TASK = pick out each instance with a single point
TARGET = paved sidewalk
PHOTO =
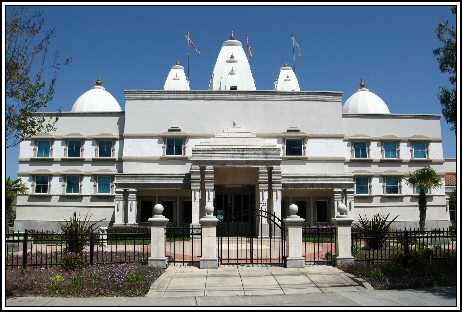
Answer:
(442, 297)
(189, 281)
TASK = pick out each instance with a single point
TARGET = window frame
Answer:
(427, 148)
(368, 185)
(397, 150)
(66, 177)
(303, 147)
(80, 149)
(37, 145)
(111, 180)
(36, 184)
(353, 150)
(98, 155)
(183, 146)
(385, 185)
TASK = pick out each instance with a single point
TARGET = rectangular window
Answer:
(390, 150)
(73, 184)
(362, 185)
(41, 184)
(104, 184)
(392, 185)
(174, 146)
(43, 149)
(73, 148)
(417, 190)
(420, 150)
(360, 149)
(105, 149)
(294, 147)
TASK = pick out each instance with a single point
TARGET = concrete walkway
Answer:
(186, 281)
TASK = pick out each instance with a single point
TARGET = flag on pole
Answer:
(295, 46)
(191, 43)
(249, 47)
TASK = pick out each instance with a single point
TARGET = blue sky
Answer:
(133, 47)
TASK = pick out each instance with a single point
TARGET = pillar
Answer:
(262, 188)
(209, 184)
(276, 182)
(158, 223)
(343, 248)
(132, 204)
(119, 207)
(195, 194)
(209, 259)
(294, 242)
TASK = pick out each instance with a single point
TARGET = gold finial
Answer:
(98, 82)
(231, 36)
(362, 84)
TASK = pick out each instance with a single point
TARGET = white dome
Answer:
(287, 81)
(97, 99)
(232, 61)
(176, 79)
(364, 101)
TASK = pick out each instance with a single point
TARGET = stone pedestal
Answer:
(343, 250)
(158, 223)
(209, 259)
(294, 243)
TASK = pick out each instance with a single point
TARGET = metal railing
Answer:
(183, 243)
(437, 244)
(319, 243)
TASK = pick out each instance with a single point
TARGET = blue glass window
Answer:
(105, 148)
(362, 185)
(73, 184)
(360, 149)
(392, 185)
(104, 184)
(420, 150)
(43, 149)
(294, 147)
(174, 146)
(390, 149)
(41, 184)
(73, 148)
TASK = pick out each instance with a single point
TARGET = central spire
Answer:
(232, 69)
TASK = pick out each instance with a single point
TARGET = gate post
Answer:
(158, 223)
(343, 223)
(293, 224)
(209, 259)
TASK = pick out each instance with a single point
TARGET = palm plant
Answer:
(13, 187)
(423, 179)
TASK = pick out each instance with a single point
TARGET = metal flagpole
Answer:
(188, 68)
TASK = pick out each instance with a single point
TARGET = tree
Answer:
(423, 180)
(30, 77)
(446, 56)
(12, 189)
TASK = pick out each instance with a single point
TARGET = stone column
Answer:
(262, 188)
(343, 250)
(350, 198)
(119, 207)
(195, 194)
(132, 206)
(209, 259)
(158, 223)
(209, 184)
(103, 236)
(294, 242)
(276, 182)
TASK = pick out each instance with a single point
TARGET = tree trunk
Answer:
(422, 209)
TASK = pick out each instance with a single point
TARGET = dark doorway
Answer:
(146, 210)
(321, 211)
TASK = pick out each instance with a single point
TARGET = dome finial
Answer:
(231, 36)
(362, 84)
(177, 62)
(98, 82)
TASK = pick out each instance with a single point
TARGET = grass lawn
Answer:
(90, 281)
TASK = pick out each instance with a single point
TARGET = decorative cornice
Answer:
(60, 136)
(262, 95)
(86, 114)
(394, 116)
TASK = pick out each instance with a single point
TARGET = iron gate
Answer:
(262, 240)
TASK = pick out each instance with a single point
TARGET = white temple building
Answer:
(232, 145)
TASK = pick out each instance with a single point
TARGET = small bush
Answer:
(374, 230)
(72, 261)
(76, 233)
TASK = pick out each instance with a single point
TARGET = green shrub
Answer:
(72, 261)
(374, 230)
(76, 233)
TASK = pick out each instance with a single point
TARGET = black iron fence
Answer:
(183, 244)
(319, 243)
(437, 244)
